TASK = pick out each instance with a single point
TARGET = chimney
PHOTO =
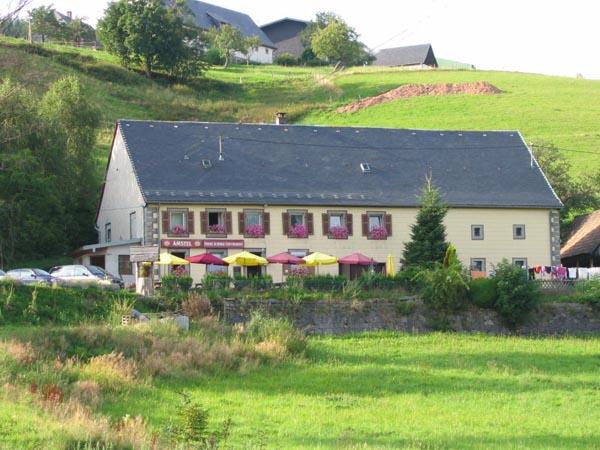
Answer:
(70, 14)
(280, 118)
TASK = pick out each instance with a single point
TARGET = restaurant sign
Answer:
(143, 254)
(197, 243)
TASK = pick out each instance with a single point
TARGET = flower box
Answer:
(298, 231)
(178, 230)
(378, 234)
(216, 229)
(254, 231)
(338, 233)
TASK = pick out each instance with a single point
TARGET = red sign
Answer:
(213, 243)
(207, 243)
(180, 243)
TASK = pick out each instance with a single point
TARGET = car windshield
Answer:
(97, 271)
(41, 272)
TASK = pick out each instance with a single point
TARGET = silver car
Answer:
(31, 276)
(79, 275)
(3, 276)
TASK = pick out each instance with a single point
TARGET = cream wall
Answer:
(498, 240)
(121, 196)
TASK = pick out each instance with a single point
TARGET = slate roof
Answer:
(208, 16)
(585, 237)
(406, 56)
(308, 165)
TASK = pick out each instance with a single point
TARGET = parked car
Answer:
(3, 276)
(31, 276)
(86, 275)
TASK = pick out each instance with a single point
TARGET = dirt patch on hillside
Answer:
(417, 90)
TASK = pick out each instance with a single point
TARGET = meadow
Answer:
(377, 390)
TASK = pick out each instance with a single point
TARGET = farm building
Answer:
(192, 187)
(582, 248)
(208, 16)
(286, 35)
(413, 56)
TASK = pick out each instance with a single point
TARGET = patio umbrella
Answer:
(166, 259)
(207, 259)
(285, 258)
(389, 266)
(357, 259)
(246, 259)
(318, 259)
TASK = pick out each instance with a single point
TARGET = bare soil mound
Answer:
(416, 90)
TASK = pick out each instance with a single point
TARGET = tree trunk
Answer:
(226, 60)
(148, 67)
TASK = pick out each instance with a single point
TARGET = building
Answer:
(582, 248)
(207, 16)
(286, 35)
(413, 56)
(192, 187)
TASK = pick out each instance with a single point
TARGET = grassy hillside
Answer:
(560, 111)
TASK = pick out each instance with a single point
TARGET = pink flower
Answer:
(178, 229)
(378, 233)
(255, 231)
(216, 229)
(298, 231)
(299, 271)
(338, 232)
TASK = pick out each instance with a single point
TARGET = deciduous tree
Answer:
(227, 39)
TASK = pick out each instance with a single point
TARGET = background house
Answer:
(188, 188)
(286, 35)
(582, 248)
(415, 56)
(208, 16)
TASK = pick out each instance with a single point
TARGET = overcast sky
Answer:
(557, 37)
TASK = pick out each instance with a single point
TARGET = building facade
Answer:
(190, 188)
(286, 34)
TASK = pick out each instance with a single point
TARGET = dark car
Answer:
(31, 276)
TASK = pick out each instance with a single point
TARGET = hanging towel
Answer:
(548, 269)
(561, 273)
(572, 273)
(582, 272)
(594, 272)
(538, 269)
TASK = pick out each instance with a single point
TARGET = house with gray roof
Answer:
(195, 187)
(413, 56)
(286, 35)
(207, 16)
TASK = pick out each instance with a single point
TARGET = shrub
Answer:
(444, 291)
(286, 59)
(214, 57)
(324, 282)
(197, 306)
(255, 283)
(369, 281)
(216, 281)
(588, 291)
(173, 285)
(483, 292)
(517, 296)
(274, 335)
(409, 278)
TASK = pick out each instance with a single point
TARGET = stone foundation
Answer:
(410, 316)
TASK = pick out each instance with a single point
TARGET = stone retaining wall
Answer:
(410, 316)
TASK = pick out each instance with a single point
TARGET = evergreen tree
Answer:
(428, 244)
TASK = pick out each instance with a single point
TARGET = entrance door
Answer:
(98, 261)
(256, 271)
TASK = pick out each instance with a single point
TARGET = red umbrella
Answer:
(356, 259)
(207, 258)
(285, 258)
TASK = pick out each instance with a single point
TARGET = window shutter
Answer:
(285, 219)
(325, 220)
(365, 224)
(166, 229)
(267, 223)
(349, 225)
(310, 226)
(228, 223)
(203, 222)
(388, 224)
(241, 225)
(190, 222)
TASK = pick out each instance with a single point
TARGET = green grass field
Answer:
(555, 110)
(380, 390)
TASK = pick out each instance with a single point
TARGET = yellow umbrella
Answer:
(319, 259)
(166, 259)
(246, 259)
(389, 266)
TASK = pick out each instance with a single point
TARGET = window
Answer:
(478, 264)
(107, 233)
(300, 269)
(132, 226)
(253, 218)
(518, 231)
(376, 225)
(375, 221)
(214, 269)
(216, 221)
(177, 222)
(337, 220)
(297, 218)
(520, 262)
(477, 232)
(125, 266)
(253, 223)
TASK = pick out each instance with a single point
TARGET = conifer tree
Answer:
(428, 244)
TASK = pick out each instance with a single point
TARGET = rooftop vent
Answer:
(365, 167)
(206, 163)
